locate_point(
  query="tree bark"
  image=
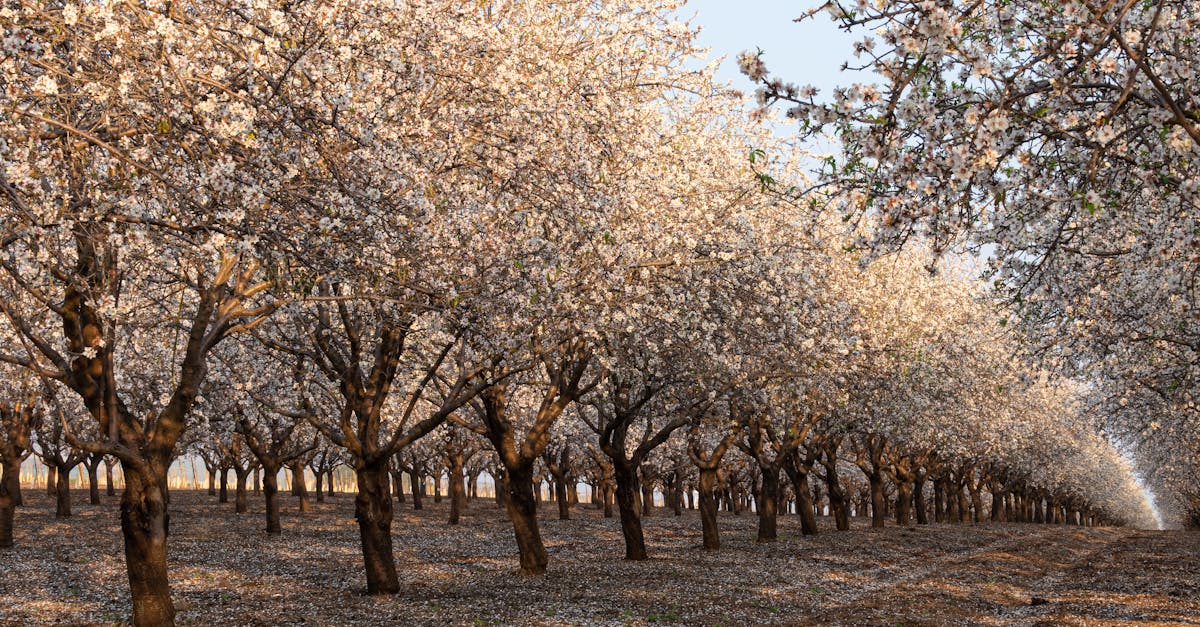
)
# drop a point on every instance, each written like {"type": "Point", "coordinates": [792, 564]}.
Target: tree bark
{"type": "Point", "coordinates": [904, 492]}
{"type": "Point", "coordinates": [270, 479]}
{"type": "Point", "coordinates": [93, 473]}
{"type": "Point", "coordinates": [768, 504]}
{"type": "Point", "coordinates": [12, 478]}
{"type": "Point", "coordinates": [144, 524]}
{"type": "Point", "coordinates": [373, 511]}
{"type": "Point", "coordinates": [8, 505]}
{"type": "Point", "coordinates": [319, 485]}
{"type": "Point", "coordinates": [62, 494]}
{"type": "Point", "coordinates": [300, 487]}
{"type": "Point", "coordinates": [631, 521]}
{"type": "Point", "coordinates": [458, 495]}
{"type": "Point", "coordinates": [110, 486]}
{"type": "Point", "coordinates": [51, 480]}
{"type": "Point", "coordinates": [223, 489]}
{"type": "Point", "coordinates": [522, 510]}
{"type": "Point", "coordinates": [708, 509]}
{"type": "Point", "coordinates": [919, 504]}
{"type": "Point", "coordinates": [239, 504]}
{"type": "Point", "coordinates": [417, 492]}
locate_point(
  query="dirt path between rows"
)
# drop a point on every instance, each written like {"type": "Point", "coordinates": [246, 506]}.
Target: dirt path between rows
{"type": "Point", "coordinates": [226, 571]}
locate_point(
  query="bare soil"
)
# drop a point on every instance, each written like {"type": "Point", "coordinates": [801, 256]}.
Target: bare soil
{"type": "Point", "coordinates": [226, 571]}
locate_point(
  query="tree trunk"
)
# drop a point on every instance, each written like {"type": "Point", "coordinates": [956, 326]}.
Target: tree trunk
{"type": "Point", "coordinates": [51, 480]}
{"type": "Point", "coordinates": [11, 471]}
{"type": "Point", "coordinates": [62, 494]}
{"type": "Point", "coordinates": [768, 504]}
{"type": "Point", "coordinates": [7, 510]}
{"type": "Point", "coordinates": [319, 485]}
{"type": "Point", "coordinates": [397, 484]}
{"type": "Point", "coordinates": [837, 503]}
{"type": "Point", "coordinates": [330, 486]}
{"type": "Point", "coordinates": [647, 499]}
{"type": "Point", "coordinates": [458, 495]}
{"type": "Point", "coordinates": [271, 492]}
{"type": "Point", "coordinates": [875, 480]}
{"type": "Point", "coordinates": [708, 509]}
{"type": "Point", "coordinates": [804, 498]}
{"type": "Point", "coordinates": [919, 504]}
{"type": "Point", "coordinates": [417, 492]}
{"type": "Point", "coordinates": [522, 510]}
{"type": "Point", "coordinates": [564, 498]}
{"type": "Point", "coordinates": [110, 487]}
{"type": "Point", "coordinates": [904, 492]}
{"type": "Point", "coordinates": [631, 522]}
{"type": "Point", "coordinates": [239, 505]}
{"type": "Point", "coordinates": [976, 504]}
{"type": "Point", "coordinates": [437, 487]}
{"type": "Point", "coordinates": [8, 505]}
{"type": "Point", "coordinates": [373, 511]}
{"type": "Point", "coordinates": [144, 524]}
{"type": "Point", "coordinates": [300, 487]}
{"type": "Point", "coordinates": [93, 473]}
{"type": "Point", "coordinates": [212, 481]}
{"type": "Point", "coordinates": [223, 486]}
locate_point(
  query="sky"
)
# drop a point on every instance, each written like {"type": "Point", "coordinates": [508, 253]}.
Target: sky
{"type": "Point", "coordinates": [811, 52]}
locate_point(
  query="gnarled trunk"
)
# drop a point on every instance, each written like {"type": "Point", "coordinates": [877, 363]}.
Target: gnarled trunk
{"type": "Point", "coordinates": [144, 524]}
{"type": "Point", "coordinates": [373, 511]}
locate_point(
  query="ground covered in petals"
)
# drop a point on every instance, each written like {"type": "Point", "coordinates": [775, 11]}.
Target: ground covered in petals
{"type": "Point", "coordinates": [225, 570]}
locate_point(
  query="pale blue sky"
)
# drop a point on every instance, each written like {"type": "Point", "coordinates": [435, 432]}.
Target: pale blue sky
{"type": "Point", "coordinates": [811, 52]}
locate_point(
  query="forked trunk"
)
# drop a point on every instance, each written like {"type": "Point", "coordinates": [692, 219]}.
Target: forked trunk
{"type": "Point", "coordinates": [631, 521]}
{"type": "Point", "coordinates": [708, 509]}
{"type": "Point", "coordinates": [373, 511]}
{"type": "Point", "coordinates": [144, 523]}
{"type": "Point", "coordinates": [522, 510]}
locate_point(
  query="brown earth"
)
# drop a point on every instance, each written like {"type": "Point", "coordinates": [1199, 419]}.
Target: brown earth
{"type": "Point", "coordinates": [226, 571]}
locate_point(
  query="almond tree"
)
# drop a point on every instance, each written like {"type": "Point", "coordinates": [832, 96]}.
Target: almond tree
{"type": "Point", "coordinates": [1063, 137]}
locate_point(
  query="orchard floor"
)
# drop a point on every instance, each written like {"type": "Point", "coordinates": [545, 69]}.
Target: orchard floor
{"type": "Point", "coordinates": [226, 571]}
